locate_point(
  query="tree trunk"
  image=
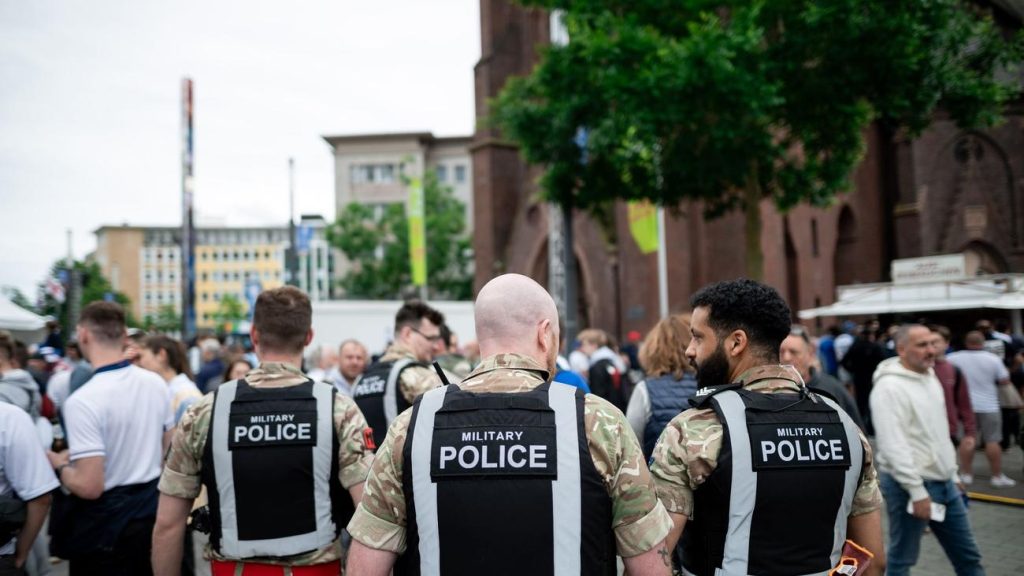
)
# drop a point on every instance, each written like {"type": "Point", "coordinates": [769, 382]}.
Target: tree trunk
{"type": "Point", "coordinates": [752, 212]}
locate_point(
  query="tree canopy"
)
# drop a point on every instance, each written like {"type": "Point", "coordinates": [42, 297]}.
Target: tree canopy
{"type": "Point", "coordinates": [729, 102]}
{"type": "Point", "coordinates": [375, 240]}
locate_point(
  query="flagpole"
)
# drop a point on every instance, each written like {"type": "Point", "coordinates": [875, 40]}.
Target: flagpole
{"type": "Point", "coordinates": [662, 265]}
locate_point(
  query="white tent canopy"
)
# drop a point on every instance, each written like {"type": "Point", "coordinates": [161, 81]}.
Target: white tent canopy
{"type": "Point", "coordinates": [1004, 291]}
{"type": "Point", "coordinates": [16, 318]}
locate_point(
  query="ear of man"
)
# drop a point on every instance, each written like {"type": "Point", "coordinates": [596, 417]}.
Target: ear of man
{"type": "Point", "coordinates": [736, 343]}
{"type": "Point", "coordinates": [542, 335]}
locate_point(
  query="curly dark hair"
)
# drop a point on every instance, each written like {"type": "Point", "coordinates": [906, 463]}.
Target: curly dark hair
{"type": "Point", "coordinates": [750, 306]}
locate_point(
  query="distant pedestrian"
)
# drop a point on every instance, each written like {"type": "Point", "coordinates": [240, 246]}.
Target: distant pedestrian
{"type": "Point", "coordinates": [209, 375]}
{"type": "Point", "coordinates": [985, 373]}
{"type": "Point", "coordinates": [608, 374]}
{"type": "Point", "coordinates": [963, 429]}
{"type": "Point", "coordinates": [352, 360]}
{"type": "Point", "coordinates": [670, 382]}
{"type": "Point", "coordinates": [917, 461]}
{"type": "Point", "coordinates": [798, 350]}
{"type": "Point", "coordinates": [168, 358]}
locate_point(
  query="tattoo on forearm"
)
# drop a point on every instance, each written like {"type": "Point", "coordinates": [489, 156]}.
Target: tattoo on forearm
{"type": "Point", "coordinates": [665, 556]}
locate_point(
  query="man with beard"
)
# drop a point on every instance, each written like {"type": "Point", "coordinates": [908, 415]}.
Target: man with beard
{"type": "Point", "coordinates": [760, 447]}
{"type": "Point", "coordinates": [507, 472]}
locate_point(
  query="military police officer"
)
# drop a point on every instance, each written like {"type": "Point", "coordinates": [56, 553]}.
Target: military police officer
{"type": "Point", "coordinates": [276, 452]}
{"type": "Point", "coordinates": [507, 472]}
{"type": "Point", "coordinates": [765, 476]}
{"type": "Point", "coordinates": [391, 384]}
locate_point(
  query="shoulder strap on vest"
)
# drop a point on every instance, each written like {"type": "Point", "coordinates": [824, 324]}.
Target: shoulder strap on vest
{"type": "Point", "coordinates": [391, 389]}
{"type": "Point", "coordinates": [704, 395]}
{"type": "Point", "coordinates": [730, 408]}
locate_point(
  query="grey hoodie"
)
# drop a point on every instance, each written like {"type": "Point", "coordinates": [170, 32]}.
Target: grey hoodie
{"type": "Point", "coordinates": [17, 387]}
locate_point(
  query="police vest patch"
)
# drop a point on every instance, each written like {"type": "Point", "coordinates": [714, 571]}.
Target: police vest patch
{"type": "Point", "coordinates": [494, 451]}
{"type": "Point", "coordinates": [294, 428]}
{"type": "Point", "coordinates": [369, 385]}
{"type": "Point", "coordinates": [775, 446]}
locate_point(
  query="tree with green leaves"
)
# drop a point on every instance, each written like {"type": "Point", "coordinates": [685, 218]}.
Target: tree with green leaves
{"type": "Point", "coordinates": [94, 287]}
{"type": "Point", "coordinates": [167, 320]}
{"type": "Point", "coordinates": [375, 240]}
{"type": "Point", "coordinates": [229, 313]}
{"type": "Point", "coordinates": [729, 103]}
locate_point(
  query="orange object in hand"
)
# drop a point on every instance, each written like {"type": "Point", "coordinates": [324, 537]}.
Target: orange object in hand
{"type": "Point", "coordinates": [854, 562]}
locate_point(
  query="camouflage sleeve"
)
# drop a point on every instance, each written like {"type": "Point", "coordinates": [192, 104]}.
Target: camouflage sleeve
{"type": "Point", "coordinates": [415, 380]}
{"type": "Point", "coordinates": [380, 518]}
{"type": "Point", "coordinates": [354, 458]}
{"type": "Point", "coordinates": [180, 476]}
{"type": "Point", "coordinates": [684, 456]}
{"type": "Point", "coordinates": [868, 497]}
{"type": "Point", "coordinates": [639, 520]}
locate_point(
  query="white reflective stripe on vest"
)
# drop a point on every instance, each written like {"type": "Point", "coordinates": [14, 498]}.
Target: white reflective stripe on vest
{"type": "Point", "coordinates": [230, 545]}
{"type": "Point", "coordinates": [743, 490]}
{"type": "Point", "coordinates": [852, 480]}
{"type": "Point", "coordinates": [565, 491]}
{"type": "Point", "coordinates": [566, 500]}
{"type": "Point", "coordinates": [391, 390]}
{"type": "Point", "coordinates": [423, 488]}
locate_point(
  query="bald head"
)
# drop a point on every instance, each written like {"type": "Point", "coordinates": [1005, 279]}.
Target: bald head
{"type": "Point", "coordinates": [509, 308]}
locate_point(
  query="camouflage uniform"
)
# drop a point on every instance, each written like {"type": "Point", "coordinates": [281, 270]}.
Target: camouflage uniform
{"type": "Point", "coordinates": [687, 451]}
{"type": "Point", "coordinates": [638, 519]}
{"type": "Point", "coordinates": [181, 475]}
{"type": "Point", "coordinates": [414, 380]}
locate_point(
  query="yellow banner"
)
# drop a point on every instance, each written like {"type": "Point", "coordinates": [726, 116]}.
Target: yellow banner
{"type": "Point", "coordinates": [417, 233]}
{"type": "Point", "coordinates": [643, 225]}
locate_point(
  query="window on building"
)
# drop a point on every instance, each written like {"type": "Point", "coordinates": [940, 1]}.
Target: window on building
{"type": "Point", "coordinates": [204, 276]}
{"type": "Point", "coordinates": [442, 173]}
{"type": "Point", "coordinates": [460, 174]}
{"type": "Point", "coordinates": [205, 296]}
{"type": "Point", "coordinates": [216, 296]}
{"type": "Point", "coordinates": [387, 173]}
{"type": "Point", "coordinates": [266, 254]}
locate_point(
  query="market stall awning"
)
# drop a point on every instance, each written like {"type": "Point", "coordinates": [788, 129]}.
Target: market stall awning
{"type": "Point", "coordinates": [14, 317]}
{"type": "Point", "coordinates": [1004, 291]}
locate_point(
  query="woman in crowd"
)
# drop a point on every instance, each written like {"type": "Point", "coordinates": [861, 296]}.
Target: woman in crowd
{"type": "Point", "coordinates": [168, 358]}
{"type": "Point", "coordinates": [236, 369]}
{"type": "Point", "coordinates": [670, 381]}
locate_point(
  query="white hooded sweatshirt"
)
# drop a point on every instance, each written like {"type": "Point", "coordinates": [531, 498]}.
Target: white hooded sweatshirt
{"type": "Point", "coordinates": [908, 410]}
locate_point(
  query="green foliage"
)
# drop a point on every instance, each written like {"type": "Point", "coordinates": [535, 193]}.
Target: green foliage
{"type": "Point", "coordinates": [229, 314]}
{"type": "Point", "coordinates": [376, 243]}
{"type": "Point", "coordinates": [731, 100]}
{"type": "Point", "coordinates": [167, 320]}
{"type": "Point", "coordinates": [95, 287]}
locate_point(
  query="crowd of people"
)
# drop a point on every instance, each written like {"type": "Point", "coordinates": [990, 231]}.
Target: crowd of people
{"type": "Point", "coordinates": [113, 441]}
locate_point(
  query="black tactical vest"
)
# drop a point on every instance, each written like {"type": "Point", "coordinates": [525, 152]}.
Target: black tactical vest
{"type": "Point", "coordinates": [379, 396]}
{"type": "Point", "coordinates": [270, 465]}
{"type": "Point", "coordinates": [504, 484]}
{"type": "Point", "coordinates": [779, 499]}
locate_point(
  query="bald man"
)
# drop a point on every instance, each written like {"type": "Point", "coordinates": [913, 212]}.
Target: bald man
{"type": "Point", "coordinates": [507, 472]}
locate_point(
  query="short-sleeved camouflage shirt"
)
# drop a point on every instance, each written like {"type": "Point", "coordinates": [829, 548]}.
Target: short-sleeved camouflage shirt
{"type": "Point", "coordinates": [638, 519]}
{"type": "Point", "coordinates": [181, 474]}
{"type": "Point", "coordinates": [414, 380]}
{"type": "Point", "coordinates": [687, 451]}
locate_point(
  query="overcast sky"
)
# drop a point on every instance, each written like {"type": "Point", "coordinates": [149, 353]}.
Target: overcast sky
{"type": "Point", "coordinates": [90, 107]}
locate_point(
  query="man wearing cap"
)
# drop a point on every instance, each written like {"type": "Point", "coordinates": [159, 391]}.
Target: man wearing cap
{"type": "Point", "coordinates": [282, 457]}
{"type": "Point", "coordinates": [507, 472]}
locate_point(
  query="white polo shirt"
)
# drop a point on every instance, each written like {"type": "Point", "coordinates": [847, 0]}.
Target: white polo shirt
{"type": "Point", "coordinates": [121, 413]}
{"type": "Point", "coordinates": [24, 468]}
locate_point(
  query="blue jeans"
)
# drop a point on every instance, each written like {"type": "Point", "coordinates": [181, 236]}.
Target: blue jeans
{"type": "Point", "coordinates": [905, 531]}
